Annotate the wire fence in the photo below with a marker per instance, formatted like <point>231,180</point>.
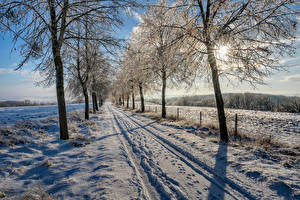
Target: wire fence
<point>283,126</point>
<point>196,114</point>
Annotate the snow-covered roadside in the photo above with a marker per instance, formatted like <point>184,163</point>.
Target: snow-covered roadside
<point>279,125</point>
<point>251,170</point>
<point>93,164</point>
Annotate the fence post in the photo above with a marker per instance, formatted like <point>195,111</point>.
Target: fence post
<point>155,108</point>
<point>177,113</point>
<point>200,118</point>
<point>235,124</point>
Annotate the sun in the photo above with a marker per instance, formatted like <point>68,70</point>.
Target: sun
<point>222,57</point>
<point>222,52</point>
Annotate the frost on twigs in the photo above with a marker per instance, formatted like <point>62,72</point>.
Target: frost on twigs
<point>75,117</point>
<point>79,140</point>
<point>81,131</point>
<point>12,137</point>
<point>2,194</point>
<point>46,163</point>
<point>37,194</point>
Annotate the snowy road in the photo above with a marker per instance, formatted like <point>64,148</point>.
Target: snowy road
<point>177,169</point>
<point>129,156</point>
<point>177,164</point>
<point>171,173</point>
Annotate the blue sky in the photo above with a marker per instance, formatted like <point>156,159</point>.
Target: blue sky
<point>20,85</point>
<point>15,85</point>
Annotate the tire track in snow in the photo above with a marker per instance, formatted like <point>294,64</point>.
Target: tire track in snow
<point>194,163</point>
<point>145,186</point>
<point>158,179</point>
<point>141,158</point>
<point>172,184</point>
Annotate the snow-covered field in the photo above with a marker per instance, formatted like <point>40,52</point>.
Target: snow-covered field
<point>10,115</point>
<point>284,127</point>
<point>121,155</point>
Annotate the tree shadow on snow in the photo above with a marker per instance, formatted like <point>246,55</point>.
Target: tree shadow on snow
<point>217,189</point>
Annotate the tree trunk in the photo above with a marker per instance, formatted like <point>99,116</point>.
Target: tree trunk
<point>56,41</point>
<point>96,103</point>
<point>123,100</point>
<point>163,95</point>
<point>100,101</point>
<point>94,100</point>
<point>86,100</point>
<point>142,97</point>
<point>127,106</point>
<point>218,94</point>
<point>60,93</point>
<point>133,104</point>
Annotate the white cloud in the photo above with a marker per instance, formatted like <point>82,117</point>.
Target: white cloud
<point>14,65</point>
<point>27,75</point>
<point>25,91</point>
<point>136,29</point>
<point>6,71</point>
<point>140,20</point>
<point>24,72</point>
<point>289,60</point>
<point>23,86</point>
<point>129,11</point>
<point>138,17</point>
<point>291,78</point>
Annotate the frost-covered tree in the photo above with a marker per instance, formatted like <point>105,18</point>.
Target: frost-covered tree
<point>136,64</point>
<point>239,39</point>
<point>89,72</point>
<point>85,61</point>
<point>128,76</point>
<point>43,27</point>
<point>100,81</point>
<point>164,47</point>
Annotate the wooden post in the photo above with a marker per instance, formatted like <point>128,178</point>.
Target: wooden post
<point>155,108</point>
<point>177,113</point>
<point>200,118</point>
<point>235,124</point>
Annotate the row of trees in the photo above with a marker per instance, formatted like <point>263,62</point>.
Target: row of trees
<point>88,70</point>
<point>62,34</point>
<point>178,40</point>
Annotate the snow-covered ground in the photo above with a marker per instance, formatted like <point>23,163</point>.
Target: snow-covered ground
<point>121,155</point>
<point>284,127</point>
<point>10,115</point>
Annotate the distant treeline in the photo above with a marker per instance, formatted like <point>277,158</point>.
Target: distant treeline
<point>248,101</point>
<point>23,103</point>
<point>33,103</point>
